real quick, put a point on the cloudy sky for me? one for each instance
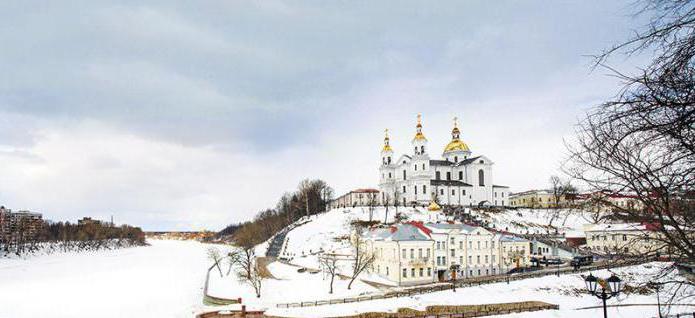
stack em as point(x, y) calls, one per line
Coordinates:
point(192, 116)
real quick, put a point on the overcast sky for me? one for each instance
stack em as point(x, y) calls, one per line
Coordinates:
point(192, 116)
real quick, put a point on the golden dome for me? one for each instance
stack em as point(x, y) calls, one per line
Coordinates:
point(456, 145)
point(418, 134)
point(387, 146)
point(434, 206)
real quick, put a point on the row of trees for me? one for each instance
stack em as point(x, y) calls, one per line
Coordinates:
point(311, 197)
point(66, 236)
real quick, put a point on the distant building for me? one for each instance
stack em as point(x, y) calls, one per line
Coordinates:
point(19, 226)
point(459, 178)
point(605, 201)
point(358, 197)
point(539, 199)
point(87, 221)
point(624, 238)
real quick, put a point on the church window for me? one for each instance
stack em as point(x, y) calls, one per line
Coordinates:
point(404, 174)
point(460, 175)
point(456, 158)
point(437, 175)
point(424, 189)
point(441, 191)
point(422, 149)
point(416, 149)
point(389, 175)
point(415, 166)
point(404, 190)
point(481, 177)
point(423, 166)
point(389, 160)
point(415, 187)
point(482, 161)
point(453, 192)
point(448, 175)
point(463, 192)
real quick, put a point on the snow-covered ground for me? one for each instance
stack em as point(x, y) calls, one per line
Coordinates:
point(289, 286)
point(566, 291)
point(161, 280)
point(536, 221)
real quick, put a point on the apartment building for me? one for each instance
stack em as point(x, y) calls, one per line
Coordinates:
point(624, 238)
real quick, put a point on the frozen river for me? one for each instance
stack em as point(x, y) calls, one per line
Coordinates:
point(161, 280)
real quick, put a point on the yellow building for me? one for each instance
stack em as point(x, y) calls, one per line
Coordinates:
point(535, 199)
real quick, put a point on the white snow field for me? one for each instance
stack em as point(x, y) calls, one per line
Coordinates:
point(161, 280)
point(566, 291)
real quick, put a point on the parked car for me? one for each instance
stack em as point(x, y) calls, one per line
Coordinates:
point(582, 260)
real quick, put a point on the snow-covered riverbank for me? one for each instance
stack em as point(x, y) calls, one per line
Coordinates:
point(161, 280)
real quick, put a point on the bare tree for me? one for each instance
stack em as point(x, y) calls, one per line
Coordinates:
point(329, 262)
point(363, 258)
point(248, 269)
point(642, 141)
point(372, 203)
point(216, 257)
point(561, 192)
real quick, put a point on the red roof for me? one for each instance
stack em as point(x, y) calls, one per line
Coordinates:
point(421, 226)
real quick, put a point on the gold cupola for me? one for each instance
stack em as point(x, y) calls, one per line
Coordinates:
point(418, 130)
point(387, 146)
point(456, 144)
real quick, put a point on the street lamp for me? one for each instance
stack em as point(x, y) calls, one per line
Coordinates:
point(610, 288)
point(657, 287)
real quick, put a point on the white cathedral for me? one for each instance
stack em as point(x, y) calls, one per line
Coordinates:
point(460, 179)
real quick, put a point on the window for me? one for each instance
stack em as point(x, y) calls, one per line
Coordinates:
point(441, 191)
point(429, 271)
point(452, 241)
point(423, 166)
point(424, 189)
point(387, 270)
point(481, 177)
point(478, 244)
point(493, 259)
point(470, 259)
point(419, 253)
point(624, 237)
point(422, 271)
point(403, 191)
point(412, 272)
point(461, 175)
point(453, 252)
point(412, 253)
point(415, 166)
point(415, 188)
point(460, 245)
point(403, 174)
point(437, 175)
point(470, 245)
point(456, 158)
point(443, 260)
point(493, 244)
point(486, 259)
point(460, 260)
point(428, 253)
point(405, 273)
point(478, 259)
point(453, 192)
point(463, 192)
point(448, 175)
point(439, 245)
point(403, 254)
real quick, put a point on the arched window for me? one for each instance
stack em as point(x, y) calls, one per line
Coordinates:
point(460, 175)
point(456, 158)
point(481, 177)
point(422, 149)
point(404, 174)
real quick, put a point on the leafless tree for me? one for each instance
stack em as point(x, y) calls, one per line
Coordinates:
point(248, 269)
point(642, 141)
point(329, 262)
point(216, 257)
point(363, 258)
point(372, 203)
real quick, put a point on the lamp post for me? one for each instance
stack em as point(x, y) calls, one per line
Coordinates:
point(610, 288)
point(657, 287)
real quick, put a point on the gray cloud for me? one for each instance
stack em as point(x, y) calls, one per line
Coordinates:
point(270, 87)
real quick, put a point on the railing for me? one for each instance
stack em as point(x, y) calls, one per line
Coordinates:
point(212, 300)
point(468, 282)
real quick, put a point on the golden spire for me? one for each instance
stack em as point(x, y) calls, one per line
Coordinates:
point(456, 144)
point(387, 147)
point(418, 133)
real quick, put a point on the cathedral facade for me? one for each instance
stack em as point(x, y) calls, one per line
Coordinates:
point(459, 178)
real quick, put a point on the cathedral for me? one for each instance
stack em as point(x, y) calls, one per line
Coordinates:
point(458, 179)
